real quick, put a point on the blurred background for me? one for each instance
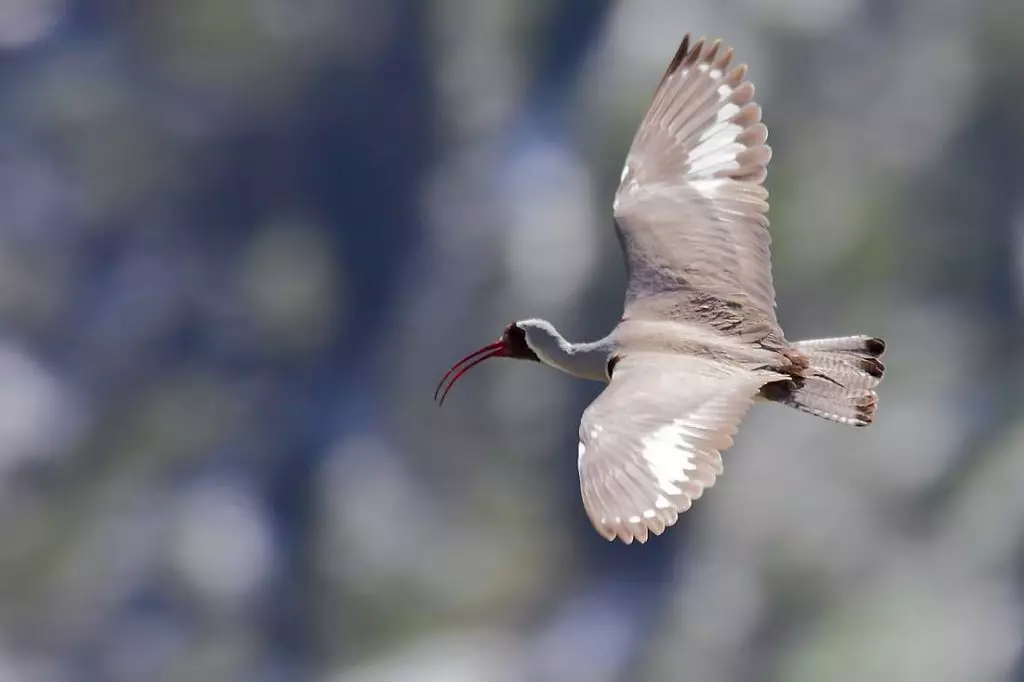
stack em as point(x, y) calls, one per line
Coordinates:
point(241, 240)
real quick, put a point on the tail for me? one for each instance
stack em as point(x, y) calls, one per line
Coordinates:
point(838, 383)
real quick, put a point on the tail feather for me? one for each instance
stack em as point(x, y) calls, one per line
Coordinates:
point(839, 382)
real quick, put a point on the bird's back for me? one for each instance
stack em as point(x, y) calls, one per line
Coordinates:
point(678, 337)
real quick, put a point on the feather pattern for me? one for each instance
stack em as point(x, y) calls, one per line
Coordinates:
point(691, 208)
point(651, 443)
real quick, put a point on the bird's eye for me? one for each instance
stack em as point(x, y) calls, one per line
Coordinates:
point(612, 361)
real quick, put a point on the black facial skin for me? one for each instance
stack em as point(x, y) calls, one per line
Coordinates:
point(514, 339)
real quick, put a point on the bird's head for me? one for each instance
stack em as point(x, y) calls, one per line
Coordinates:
point(513, 343)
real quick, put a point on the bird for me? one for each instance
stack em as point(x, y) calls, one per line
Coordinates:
point(699, 341)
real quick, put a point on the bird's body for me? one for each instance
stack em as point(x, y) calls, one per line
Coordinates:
point(699, 340)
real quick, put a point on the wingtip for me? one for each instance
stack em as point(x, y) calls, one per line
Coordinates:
point(714, 52)
point(677, 59)
point(696, 50)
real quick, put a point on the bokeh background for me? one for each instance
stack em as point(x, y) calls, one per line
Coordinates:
point(240, 241)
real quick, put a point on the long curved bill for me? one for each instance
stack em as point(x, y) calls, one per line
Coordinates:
point(496, 349)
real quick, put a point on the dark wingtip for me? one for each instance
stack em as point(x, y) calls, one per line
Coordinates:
point(873, 366)
point(696, 51)
point(677, 60)
point(875, 346)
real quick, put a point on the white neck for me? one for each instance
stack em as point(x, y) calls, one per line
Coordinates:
point(583, 360)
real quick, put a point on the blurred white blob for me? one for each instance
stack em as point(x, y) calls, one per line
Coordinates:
point(716, 615)
point(23, 22)
point(38, 415)
point(592, 639)
point(551, 246)
point(289, 284)
point(915, 627)
point(479, 71)
point(476, 656)
point(222, 547)
point(374, 511)
point(14, 668)
point(384, 528)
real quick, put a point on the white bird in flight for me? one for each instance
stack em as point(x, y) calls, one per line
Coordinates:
point(699, 341)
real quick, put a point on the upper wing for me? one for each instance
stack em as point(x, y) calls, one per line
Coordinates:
point(691, 207)
point(652, 440)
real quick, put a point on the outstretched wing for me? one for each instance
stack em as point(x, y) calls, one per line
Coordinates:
point(651, 442)
point(691, 207)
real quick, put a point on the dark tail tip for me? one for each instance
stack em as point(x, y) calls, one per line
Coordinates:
point(873, 366)
point(866, 411)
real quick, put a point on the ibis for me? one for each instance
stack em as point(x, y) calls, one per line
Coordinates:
point(699, 341)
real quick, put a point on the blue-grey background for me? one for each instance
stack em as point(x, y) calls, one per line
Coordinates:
point(240, 241)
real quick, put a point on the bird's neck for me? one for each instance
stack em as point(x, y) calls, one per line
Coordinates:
point(584, 360)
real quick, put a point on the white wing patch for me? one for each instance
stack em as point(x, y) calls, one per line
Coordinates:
point(675, 473)
point(669, 456)
point(640, 464)
point(716, 149)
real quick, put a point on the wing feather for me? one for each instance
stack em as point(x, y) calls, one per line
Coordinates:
point(651, 443)
point(691, 210)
